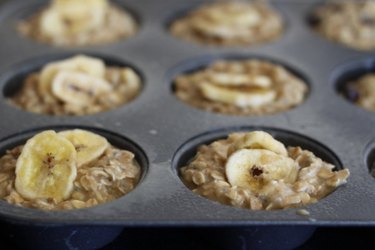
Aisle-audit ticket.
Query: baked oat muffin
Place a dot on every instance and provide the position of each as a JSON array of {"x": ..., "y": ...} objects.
[
  {"x": 241, "y": 87},
  {"x": 66, "y": 170},
  {"x": 79, "y": 85},
  {"x": 362, "y": 91},
  {"x": 79, "y": 23},
  {"x": 255, "y": 171},
  {"x": 230, "y": 23},
  {"x": 351, "y": 23}
]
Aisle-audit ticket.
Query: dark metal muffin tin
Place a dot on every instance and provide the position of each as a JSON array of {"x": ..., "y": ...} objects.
[{"x": 165, "y": 129}]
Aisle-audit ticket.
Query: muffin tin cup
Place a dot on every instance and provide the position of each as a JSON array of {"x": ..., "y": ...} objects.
[
  {"x": 26, "y": 235},
  {"x": 159, "y": 124},
  {"x": 19, "y": 72}
]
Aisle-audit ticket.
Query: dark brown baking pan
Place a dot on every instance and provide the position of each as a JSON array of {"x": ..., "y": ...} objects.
[{"x": 165, "y": 132}]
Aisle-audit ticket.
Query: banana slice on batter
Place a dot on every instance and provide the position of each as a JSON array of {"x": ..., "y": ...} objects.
[
  {"x": 46, "y": 167},
  {"x": 260, "y": 140},
  {"x": 252, "y": 168},
  {"x": 78, "y": 88},
  {"x": 89, "y": 146},
  {"x": 51, "y": 24},
  {"x": 233, "y": 14},
  {"x": 227, "y": 20},
  {"x": 81, "y": 15},
  {"x": 80, "y": 63},
  {"x": 242, "y": 99},
  {"x": 71, "y": 17},
  {"x": 131, "y": 78},
  {"x": 236, "y": 80}
]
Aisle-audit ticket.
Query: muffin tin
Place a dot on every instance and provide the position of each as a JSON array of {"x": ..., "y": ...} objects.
[{"x": 163, "y": 129}]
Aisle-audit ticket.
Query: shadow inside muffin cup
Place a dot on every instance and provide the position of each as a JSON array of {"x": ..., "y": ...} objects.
[
  {"x": 13, "y": 80},
  {"x": 311, "y": 19},
  {"x": 370, "y": 157},
  {"x": 345, "y": 74},
  {"x": 194, "y": 65}
]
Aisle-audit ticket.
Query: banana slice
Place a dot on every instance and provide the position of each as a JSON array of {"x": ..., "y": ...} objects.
[
  {"x": 80, "y": 63},
  {"x": 88, "y": 145},
  {"x": 252, "y": 168},
  {"x": 233, "y": 14},
  {"x": 260, "y": 140},
  {"x": 254, "y": 98},
  {"x": 71, "y": 17},
  {"x": 46, "y": 167},
  {"x": 81, "y": 15},
  {"x": 78, "y": 88},
  {"x": 51, "y": 24},
  {"x": 236, "y": 79},
  {"x": 131, "y": 78},
  {"x": 226, "y": 20},
  {"x": 78, "y": 8}
]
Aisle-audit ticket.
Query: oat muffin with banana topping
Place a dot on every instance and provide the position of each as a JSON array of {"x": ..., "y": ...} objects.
[
  {"x": 230, "y": 23},
  {"x": 69, "y": 169},
  {"x": 79, "y": 85},
  {"x": 351, "y": 23},
  {"x": 255, "y": 171},
  {"x": 79, "y": 23},
  {"x": 241, "y": 87}
]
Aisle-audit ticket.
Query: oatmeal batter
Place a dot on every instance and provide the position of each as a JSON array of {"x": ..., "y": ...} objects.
[
  {"x": 214, "y": 170},
  {"x": 109, "y": 176},
  {"x": 88, "y": 91},
  {"x": 241, "y": 87},
  {"x": 230, "y": 23},
  {"x": 79, "y": 23},
  {"x": 362, "y": 91},
  {"x": 351, "y": 23}
]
